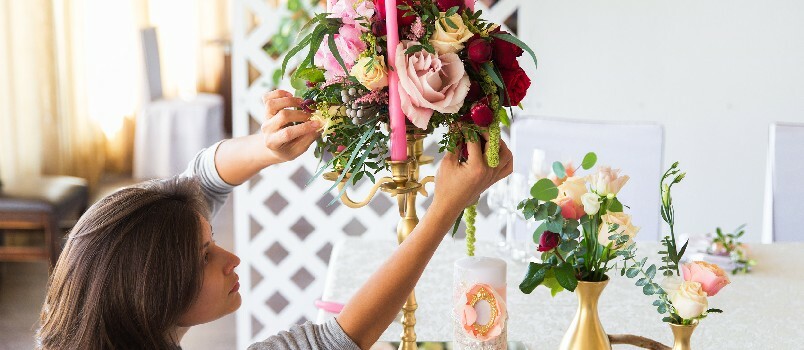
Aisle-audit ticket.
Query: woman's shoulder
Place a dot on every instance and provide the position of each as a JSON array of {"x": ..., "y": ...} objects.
[{"x": 309, "y": 336}]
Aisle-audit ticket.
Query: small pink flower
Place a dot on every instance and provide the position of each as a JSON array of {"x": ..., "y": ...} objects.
[
  {"x": 711, "y": 277},
  {"x": 349, "y": 46},
  {"x": 429, "y": 82},
  {"x": 352, "y": 12},
  {"x": 469, "y": 317}
]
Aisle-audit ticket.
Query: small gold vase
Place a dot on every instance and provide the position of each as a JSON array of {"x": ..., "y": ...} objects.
[
  {"x": 586, "y": 332},
  {"x": 682, "y": 335}
]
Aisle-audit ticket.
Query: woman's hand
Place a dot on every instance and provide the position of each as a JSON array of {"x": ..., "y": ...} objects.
[
  {"x": 284, "y": 140},
  {"x": 459, "y": 184}
]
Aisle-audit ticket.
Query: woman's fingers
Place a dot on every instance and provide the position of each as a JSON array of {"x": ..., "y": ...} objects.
[
  {"x": 286, "y": 117},
  {"x": 276, "y": 105},
  {"x": 274, "y": 94}
]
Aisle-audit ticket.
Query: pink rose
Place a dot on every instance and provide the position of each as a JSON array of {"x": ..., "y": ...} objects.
[
  {"x": 349, "y": 46},
  {"x": 570, "y": 209},
  {"x": 352, "y": 12},
  {"x": 711, "y": 277},
  {"x": 430, "y": 82}
]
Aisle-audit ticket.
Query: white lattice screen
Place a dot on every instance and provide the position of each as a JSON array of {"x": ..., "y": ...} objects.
[{"x": 284, "y": 230}]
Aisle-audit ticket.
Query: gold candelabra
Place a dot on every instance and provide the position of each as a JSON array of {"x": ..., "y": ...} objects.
[{"x": 405, "y": 185}]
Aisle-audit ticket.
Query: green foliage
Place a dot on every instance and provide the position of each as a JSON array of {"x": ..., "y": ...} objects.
[
  {"x": 731, "y": 243},
  {"x": 544, "y": 190},
  {"x": 589, "y": 161},
  {"x": 558, "y": 169}
]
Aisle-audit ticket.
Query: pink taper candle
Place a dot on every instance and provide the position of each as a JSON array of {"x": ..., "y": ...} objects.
[
  {"x": 470, "y": 4},
  {"x": 399, "y": 146}
]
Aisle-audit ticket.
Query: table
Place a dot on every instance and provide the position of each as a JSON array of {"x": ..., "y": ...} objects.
[
  {"x": 169, "y": 133},
  {"x": 762, "y": 310}
]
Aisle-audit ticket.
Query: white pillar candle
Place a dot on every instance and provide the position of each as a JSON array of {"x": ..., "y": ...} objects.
[{"x": 469, "y": 272}]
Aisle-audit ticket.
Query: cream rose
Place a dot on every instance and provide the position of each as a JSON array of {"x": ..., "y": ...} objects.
[
  {"x": 429, "y": 82},
  {"x": 447, "y": 39},
  {"x": 591, "y": 203},
  {"x": 689, "y": 300},
  {"x": 328, "y": 119},
  {"x": 625, "y": 228},
  {"x": 371, "y": 72},
  {"x": 573, "y": 187},
  {"x": 607, "y": 181}
]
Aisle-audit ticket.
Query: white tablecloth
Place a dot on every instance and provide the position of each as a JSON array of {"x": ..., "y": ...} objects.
[
  {"x": 762, "y": 310},
  {"x": 170, "y": 132}
]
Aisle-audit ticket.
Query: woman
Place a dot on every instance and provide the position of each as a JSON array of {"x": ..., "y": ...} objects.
[{"x": 141, "y": 265}]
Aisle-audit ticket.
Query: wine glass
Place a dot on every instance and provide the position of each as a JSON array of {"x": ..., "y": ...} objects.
[{"x": 497, "y": 201}]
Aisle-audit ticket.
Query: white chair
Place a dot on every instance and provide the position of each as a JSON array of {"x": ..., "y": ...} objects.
[
  {"x": 784, "y": 190},
  {"x": 636, "y": 148}
]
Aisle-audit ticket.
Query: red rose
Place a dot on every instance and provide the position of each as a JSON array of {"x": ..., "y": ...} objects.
[
  {"x": 402, "y": 20},
  {"x": 475, "y": 92},
  {"x": 505, "y": 53},
  {"x": 516, "y": 84},
  {"x": 481, "y": 114},
  {"x": 444, "y": 5},
  {"x": 548, "y": 241},
  {"x": 479, "y": 51}
]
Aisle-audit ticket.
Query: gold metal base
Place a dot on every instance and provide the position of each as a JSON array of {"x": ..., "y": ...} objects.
[
  {"x": 682, "y": 335},
  {"x": 586, "y": 332}
]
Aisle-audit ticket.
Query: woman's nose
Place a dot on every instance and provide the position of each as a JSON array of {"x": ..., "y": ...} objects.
[{"x": 232, "y": 262}]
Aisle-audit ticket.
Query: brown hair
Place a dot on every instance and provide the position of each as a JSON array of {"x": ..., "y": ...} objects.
[{"x": 131, "y": 267}]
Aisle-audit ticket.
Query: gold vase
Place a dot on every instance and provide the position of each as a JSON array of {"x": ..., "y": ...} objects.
[
  {"x": 682, "y": 335},
  {"x": 586, "y": 332}
]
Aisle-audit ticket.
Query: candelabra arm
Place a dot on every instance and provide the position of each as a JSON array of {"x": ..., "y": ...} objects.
[
  {"x": 426, "y": 180},
  {"x": 351, "y": 203}
]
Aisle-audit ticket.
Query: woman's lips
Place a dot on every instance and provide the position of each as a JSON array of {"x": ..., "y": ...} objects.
[{"x": 236, "y": 286}]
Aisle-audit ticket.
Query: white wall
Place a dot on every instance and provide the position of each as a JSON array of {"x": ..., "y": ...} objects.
[{"x": 714, "y": 73}]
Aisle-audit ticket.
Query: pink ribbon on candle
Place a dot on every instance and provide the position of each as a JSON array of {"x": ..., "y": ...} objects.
[{"x": 399, "y": 146}]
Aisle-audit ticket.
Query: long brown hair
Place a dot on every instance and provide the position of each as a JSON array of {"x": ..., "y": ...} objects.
[{"x": 131, "y": 267}]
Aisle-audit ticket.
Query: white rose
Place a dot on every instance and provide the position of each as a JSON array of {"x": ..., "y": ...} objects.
[
  {"x": 591, "y": 203},
  {"x": 607, "y": 181},
  {"x": 625, "y": 227},
  {"x": 689, "y": 300},
  {"x": 371, "y": 72},
  {"x": 670, "y": 285},
  {"x": 447, "y": 39}
]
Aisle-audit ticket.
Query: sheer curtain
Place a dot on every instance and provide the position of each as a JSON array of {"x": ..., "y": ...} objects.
[{"x": 70, "y": 77}]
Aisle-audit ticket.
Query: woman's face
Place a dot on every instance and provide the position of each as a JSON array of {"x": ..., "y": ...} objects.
[{"x": 219, "y": 293}]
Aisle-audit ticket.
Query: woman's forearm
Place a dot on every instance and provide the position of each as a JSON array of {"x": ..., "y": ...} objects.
[
  {"x": 375, "y": 305},
  {"x": 238, "y": 159}
]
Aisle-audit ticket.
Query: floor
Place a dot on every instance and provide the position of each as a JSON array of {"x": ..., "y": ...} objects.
[{"x": 22, "y": 291}]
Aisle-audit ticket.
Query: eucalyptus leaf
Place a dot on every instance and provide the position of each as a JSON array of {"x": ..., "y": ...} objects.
[
  {"x": 651, "y": 272},
  {"x": 544, "y": 190},
  {"x": 589, "y": 161},
  {"x": 533, "y": 277},
  {"x": 632, "y": 272},
  {"x": 558, "y": 169}
]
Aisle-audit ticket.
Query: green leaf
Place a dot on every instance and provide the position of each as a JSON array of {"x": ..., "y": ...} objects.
[
  {"x": 681, "y": 252},
  {"x": 333, "y": 48},
  {"x": 533, "y": 277},
  {"x": 452, "y": 10},
  {"x": 413, "y": 49},
  {"x": 537, "y": 234},
  {"x": 615, "y": 206},
  {"x": 568, "y": 246},
  {"x": 551, "y": 282},
  {"x": 514, "y": 40},
  {"x": 589, "y": 160},
  {"x": 450, "y": 23},
  {"x": 544, "y": 190},
  {"x": 559, "y": 170},
  {"x": 555, "y": 225},
  {"x": 641, "y": 282},
  {"x": 565, "y": 275},
  {"x": 457, "y": 223},
  {"x": 650, "y": 289},
  {"x": 651, "y": 272},
  {"x": 493, "y": 74},
  {"x": 662, "y": 308},
  {"x": 312, "y": 74},
  {"x": 541, "y": 212},
  {"x": 552, "y": 209},
  {"x": 296, "y": 49},
  {"x": 632, "y": 272}
]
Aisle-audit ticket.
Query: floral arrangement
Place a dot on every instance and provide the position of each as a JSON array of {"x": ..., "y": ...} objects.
[
  {"x": 584, "y": 229},
  {"x": 684, "y": 291},
  {"x": 728, "y": 244},
  {"x": 454, "y": 70}
]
